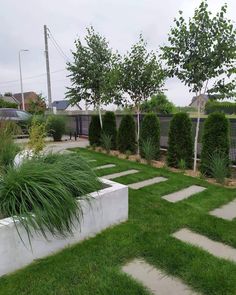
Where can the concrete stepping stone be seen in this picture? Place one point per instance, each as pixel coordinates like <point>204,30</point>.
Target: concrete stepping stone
<point>227,211</point>
<point>138,185</point>
<point>217,249</point>
<point>116,175</point>
<point>183,194</point>
<point>105,166</point>
<point>155,280</point>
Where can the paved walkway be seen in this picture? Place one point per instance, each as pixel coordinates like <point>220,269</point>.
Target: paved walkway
<point>217,249</point>
<point>227,211</point>
<point>147,182</point>
<point>156,280</point>
<point>184,193</point>
<point>123,173</point>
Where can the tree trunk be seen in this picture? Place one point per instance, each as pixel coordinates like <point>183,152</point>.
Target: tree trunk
<point>99,112</point>
<point>197,132</point>
<point>138,125</point>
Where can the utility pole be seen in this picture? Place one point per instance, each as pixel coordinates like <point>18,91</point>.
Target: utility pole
<point>47,68</point>
<point>21,82</point>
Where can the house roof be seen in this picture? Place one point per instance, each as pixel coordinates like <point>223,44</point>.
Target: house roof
<point>30,95</point>
<point>62,104</point>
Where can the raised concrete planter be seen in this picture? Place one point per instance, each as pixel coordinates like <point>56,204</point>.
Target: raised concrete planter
<point>107,207</point>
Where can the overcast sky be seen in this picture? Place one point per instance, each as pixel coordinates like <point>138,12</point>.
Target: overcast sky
<point>120,21</point>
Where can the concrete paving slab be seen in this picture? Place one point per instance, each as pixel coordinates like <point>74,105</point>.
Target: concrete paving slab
<point>227,211</point>
<point>217,249</point>
<point>105,166</point>
<point>123,173</point>
<point>183,194</point>
<point>155,280</point>
<point>138,185</point>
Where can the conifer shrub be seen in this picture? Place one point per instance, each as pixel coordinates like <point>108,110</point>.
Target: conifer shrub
<point>150,132</point>
<point>180,141</point>
<point>215,139</point>
<point>109,128</point>
<point>126,139</point>
<point>95,131</point>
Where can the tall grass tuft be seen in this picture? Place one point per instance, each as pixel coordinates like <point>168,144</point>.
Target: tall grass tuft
<point>106,141</point>
<point>42,193</point>
<point>8,149</point>
<point>219,166</point>
<point>149,149</point>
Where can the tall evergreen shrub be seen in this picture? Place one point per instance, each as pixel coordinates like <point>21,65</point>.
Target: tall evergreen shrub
<point>126,135</point>
<point>95,131</point>
<point>150,131</point>
<point>109,127</point>
<point>180,141</point>
<point>215,139</point>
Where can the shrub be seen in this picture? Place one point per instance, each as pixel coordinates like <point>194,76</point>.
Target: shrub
<point>182,165</point>
<point>42,193</point>
<point>37,134</point>
<point>126,134</point>
<point>148,149</point>
<point>224,107</point>
<point>95,131</point>
<point>215,139</point>
<point>150,133</point>
<point>6,104</point>
<point>106,141</point>
<point>180,141</point>
<point>109,127</point>
<point>8,149</point>
<point>56,126</point>
<point>219,166</point>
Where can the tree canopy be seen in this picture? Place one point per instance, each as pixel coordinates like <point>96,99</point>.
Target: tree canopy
<point>158,103</point>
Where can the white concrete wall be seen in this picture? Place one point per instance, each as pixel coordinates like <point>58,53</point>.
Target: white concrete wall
<point>107,207</point>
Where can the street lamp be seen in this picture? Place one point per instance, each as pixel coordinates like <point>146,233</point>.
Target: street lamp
<point>21,83</point>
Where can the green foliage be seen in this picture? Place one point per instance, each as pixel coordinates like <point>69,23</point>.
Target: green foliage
<point>180,142</point>
<point>185,109</point>
<point>109,127</point>
<point>6,104</point>
<point>219,166</point>
<point>182,165</point>
<point>42,193</point>
<point>215,139</point>
<point>126,139</point>
<point>158,104</point>
<point>224,107</point>
<point>56,126</point>
<point>37,134</point>
<point>95,131</point>
<point>148,149</point>
<point>38,106</point>
<point>106,141</point>
<point>93,72</point>
<point>150,135</point>
<point>194,54</point>
<point>8,149</point>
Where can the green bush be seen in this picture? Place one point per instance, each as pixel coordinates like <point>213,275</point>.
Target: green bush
<point>56,126</point>
<point>150,130</point>
<point>95,131</point>
<point>180,141</point>
<point>126,139</point>
<point>224,107</point>
<point>8,149</point>
<point>42,193</point>
<point>6,104</point>
<point>109,127</point>
<point>215,139</point>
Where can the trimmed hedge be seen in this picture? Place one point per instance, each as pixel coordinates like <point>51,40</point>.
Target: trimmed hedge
<point>150,130</point>
<point>95,131</point>
<point>126,139</point>
<point>215,139</point>
<point>180,141</point>
<point>224,107</point>
<point>56,126</point>
<point>109,127</point>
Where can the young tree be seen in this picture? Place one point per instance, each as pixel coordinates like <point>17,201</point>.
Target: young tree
<point>142,76</point>
<point>159,104</point>
<point>93,72</point>
<point>202,52</point>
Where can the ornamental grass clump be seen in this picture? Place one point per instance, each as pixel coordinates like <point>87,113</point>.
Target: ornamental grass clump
<point>106,141</point>
<point>219,166</point>
<point>148,149</point>
<point>42,194</point>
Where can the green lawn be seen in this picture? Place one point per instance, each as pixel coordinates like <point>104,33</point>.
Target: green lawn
<point>94,266</point>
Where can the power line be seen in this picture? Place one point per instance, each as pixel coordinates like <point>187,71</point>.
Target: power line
<point>31,77</point>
